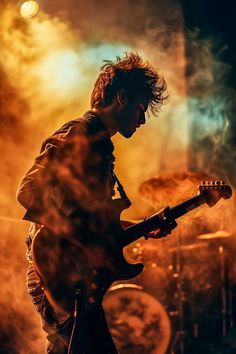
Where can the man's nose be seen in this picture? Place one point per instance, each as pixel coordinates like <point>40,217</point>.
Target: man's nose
<point>142,118</point>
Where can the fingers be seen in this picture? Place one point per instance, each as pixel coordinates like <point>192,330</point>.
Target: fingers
<point>164,230</point>
<point>168,225</point>
<point>163,213</point>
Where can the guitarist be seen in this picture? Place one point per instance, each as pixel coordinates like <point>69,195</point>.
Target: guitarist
<point>71,182</point>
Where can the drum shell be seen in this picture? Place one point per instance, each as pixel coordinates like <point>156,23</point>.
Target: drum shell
<point>137,320</point>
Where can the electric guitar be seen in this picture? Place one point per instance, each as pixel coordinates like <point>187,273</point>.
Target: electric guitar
<point>73,276</point>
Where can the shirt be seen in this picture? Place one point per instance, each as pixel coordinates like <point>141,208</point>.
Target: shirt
<point>74,170</point>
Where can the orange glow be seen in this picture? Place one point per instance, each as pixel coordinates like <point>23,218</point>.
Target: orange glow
<point>48,68</point>
<point>29,9</point>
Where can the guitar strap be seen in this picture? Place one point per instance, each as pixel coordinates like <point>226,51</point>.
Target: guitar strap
<point>120,189</point>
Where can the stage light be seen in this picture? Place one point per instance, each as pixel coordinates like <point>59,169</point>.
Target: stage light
<point>29,9</point>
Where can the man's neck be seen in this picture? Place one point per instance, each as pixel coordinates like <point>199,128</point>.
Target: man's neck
<point>107,117</point>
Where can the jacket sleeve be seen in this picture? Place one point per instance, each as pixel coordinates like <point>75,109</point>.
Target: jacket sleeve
<point>64,179</point>
<point>36,185</point>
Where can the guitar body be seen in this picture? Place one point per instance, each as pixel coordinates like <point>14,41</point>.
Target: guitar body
<point>89,270</point>
<point>70,274</point>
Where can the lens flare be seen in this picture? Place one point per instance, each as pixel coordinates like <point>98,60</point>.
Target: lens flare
<point>29,9</point>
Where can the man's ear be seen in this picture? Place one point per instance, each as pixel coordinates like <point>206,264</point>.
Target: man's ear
<point>122,98</point>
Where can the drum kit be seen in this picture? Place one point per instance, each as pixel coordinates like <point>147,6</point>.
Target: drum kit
<point>182,300</point>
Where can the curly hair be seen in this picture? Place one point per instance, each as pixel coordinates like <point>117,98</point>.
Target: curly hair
<point>136,77</point>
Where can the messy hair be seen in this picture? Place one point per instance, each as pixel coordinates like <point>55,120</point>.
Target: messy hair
<point>136,77</point>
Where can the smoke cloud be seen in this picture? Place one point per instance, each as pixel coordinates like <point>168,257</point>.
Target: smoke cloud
<point>48,65</point>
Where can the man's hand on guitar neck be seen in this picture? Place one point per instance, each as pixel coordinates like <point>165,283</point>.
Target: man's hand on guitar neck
<point>167,225</point>
<point>166,228</point>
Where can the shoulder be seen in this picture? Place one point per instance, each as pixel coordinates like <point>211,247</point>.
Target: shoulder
<point>86,133</point>
<point>67,132</point>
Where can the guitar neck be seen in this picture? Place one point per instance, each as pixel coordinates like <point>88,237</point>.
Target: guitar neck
<point>134,232</point>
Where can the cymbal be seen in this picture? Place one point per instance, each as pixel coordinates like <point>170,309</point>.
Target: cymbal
<point>190,247</point>
<point>215,235</point>
<point>169,187</point>
<point>169,180</point>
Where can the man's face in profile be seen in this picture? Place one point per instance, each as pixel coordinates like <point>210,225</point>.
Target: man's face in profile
<point>132,116</point>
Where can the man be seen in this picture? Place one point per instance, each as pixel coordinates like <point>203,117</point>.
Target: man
<point>67,190</point>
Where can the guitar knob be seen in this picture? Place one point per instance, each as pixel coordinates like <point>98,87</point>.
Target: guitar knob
<point>91,300</point>
<point>94,286</point>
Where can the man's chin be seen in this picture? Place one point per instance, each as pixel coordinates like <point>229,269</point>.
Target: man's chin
<point>127,134</point>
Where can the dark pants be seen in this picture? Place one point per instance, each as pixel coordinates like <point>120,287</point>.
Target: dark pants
<point>90,331</point>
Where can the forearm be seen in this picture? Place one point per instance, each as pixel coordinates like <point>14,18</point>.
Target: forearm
<point>57,222</point>
<point>42,209</point>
